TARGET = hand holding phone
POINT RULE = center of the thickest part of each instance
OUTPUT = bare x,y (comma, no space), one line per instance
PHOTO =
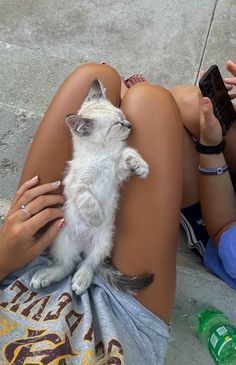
212,86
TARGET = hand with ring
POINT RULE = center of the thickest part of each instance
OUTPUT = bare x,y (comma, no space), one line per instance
32,208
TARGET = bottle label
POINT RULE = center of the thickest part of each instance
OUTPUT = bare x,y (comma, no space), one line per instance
219,338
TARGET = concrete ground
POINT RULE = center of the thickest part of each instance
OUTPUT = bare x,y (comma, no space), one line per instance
41,41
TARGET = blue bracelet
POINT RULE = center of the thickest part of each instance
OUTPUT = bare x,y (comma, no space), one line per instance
214,171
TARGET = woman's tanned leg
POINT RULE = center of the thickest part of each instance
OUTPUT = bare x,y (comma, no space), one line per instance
51,147
148,219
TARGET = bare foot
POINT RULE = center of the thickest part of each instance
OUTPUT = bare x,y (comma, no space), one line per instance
123,90
130,81
134,79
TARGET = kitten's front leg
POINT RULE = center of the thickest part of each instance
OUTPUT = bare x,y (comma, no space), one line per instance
135,162
88,206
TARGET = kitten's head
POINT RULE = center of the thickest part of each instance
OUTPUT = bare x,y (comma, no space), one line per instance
98,120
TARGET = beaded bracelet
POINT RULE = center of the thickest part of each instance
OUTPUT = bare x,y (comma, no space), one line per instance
214,171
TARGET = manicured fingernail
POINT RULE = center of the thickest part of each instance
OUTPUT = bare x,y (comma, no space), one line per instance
61,224
56,183
34,178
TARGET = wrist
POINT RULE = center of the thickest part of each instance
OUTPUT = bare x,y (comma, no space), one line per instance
210,149
212,142
211,161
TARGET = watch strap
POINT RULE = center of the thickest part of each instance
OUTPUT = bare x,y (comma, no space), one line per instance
210,150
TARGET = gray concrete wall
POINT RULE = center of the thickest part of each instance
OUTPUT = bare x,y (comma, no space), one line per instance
42,41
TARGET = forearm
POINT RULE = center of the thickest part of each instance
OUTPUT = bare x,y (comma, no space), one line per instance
217,197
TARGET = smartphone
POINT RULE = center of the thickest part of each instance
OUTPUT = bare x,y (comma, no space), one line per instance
212,86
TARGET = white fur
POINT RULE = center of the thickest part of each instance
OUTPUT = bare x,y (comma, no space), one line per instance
101,162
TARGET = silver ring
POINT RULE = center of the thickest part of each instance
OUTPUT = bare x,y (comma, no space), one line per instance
23,208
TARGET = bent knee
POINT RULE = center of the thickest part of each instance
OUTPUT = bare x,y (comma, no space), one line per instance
142,96
185,93
91,66
95,69
153,111
109,77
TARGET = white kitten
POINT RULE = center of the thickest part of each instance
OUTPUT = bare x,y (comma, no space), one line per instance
101,162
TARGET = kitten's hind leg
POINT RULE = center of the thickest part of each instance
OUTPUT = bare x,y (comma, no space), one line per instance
135,162
84,275
82,279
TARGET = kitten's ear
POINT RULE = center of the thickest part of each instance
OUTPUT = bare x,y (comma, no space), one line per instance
96,91
72,120
81,126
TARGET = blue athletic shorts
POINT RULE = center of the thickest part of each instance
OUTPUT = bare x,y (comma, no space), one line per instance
222,261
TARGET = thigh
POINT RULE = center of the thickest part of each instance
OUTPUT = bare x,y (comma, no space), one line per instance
51,147
147,225
148,218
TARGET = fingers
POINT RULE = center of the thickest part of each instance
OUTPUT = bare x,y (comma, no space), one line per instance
20,192
201,73
232,96
33,193
228,87
231,67
210,128
44,201
39,220
230,80
48,237
38,204
206,106
209,119
207,110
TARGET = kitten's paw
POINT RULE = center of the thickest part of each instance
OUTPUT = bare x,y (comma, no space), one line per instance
42,278
82,280
138,167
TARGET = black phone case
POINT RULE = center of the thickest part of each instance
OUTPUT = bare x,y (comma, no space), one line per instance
212,86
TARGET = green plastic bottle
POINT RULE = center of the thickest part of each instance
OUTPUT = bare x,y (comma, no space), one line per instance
216,332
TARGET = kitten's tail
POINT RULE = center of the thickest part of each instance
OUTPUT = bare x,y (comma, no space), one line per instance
128,284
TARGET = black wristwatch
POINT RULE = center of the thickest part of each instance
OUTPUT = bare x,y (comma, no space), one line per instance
210,150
